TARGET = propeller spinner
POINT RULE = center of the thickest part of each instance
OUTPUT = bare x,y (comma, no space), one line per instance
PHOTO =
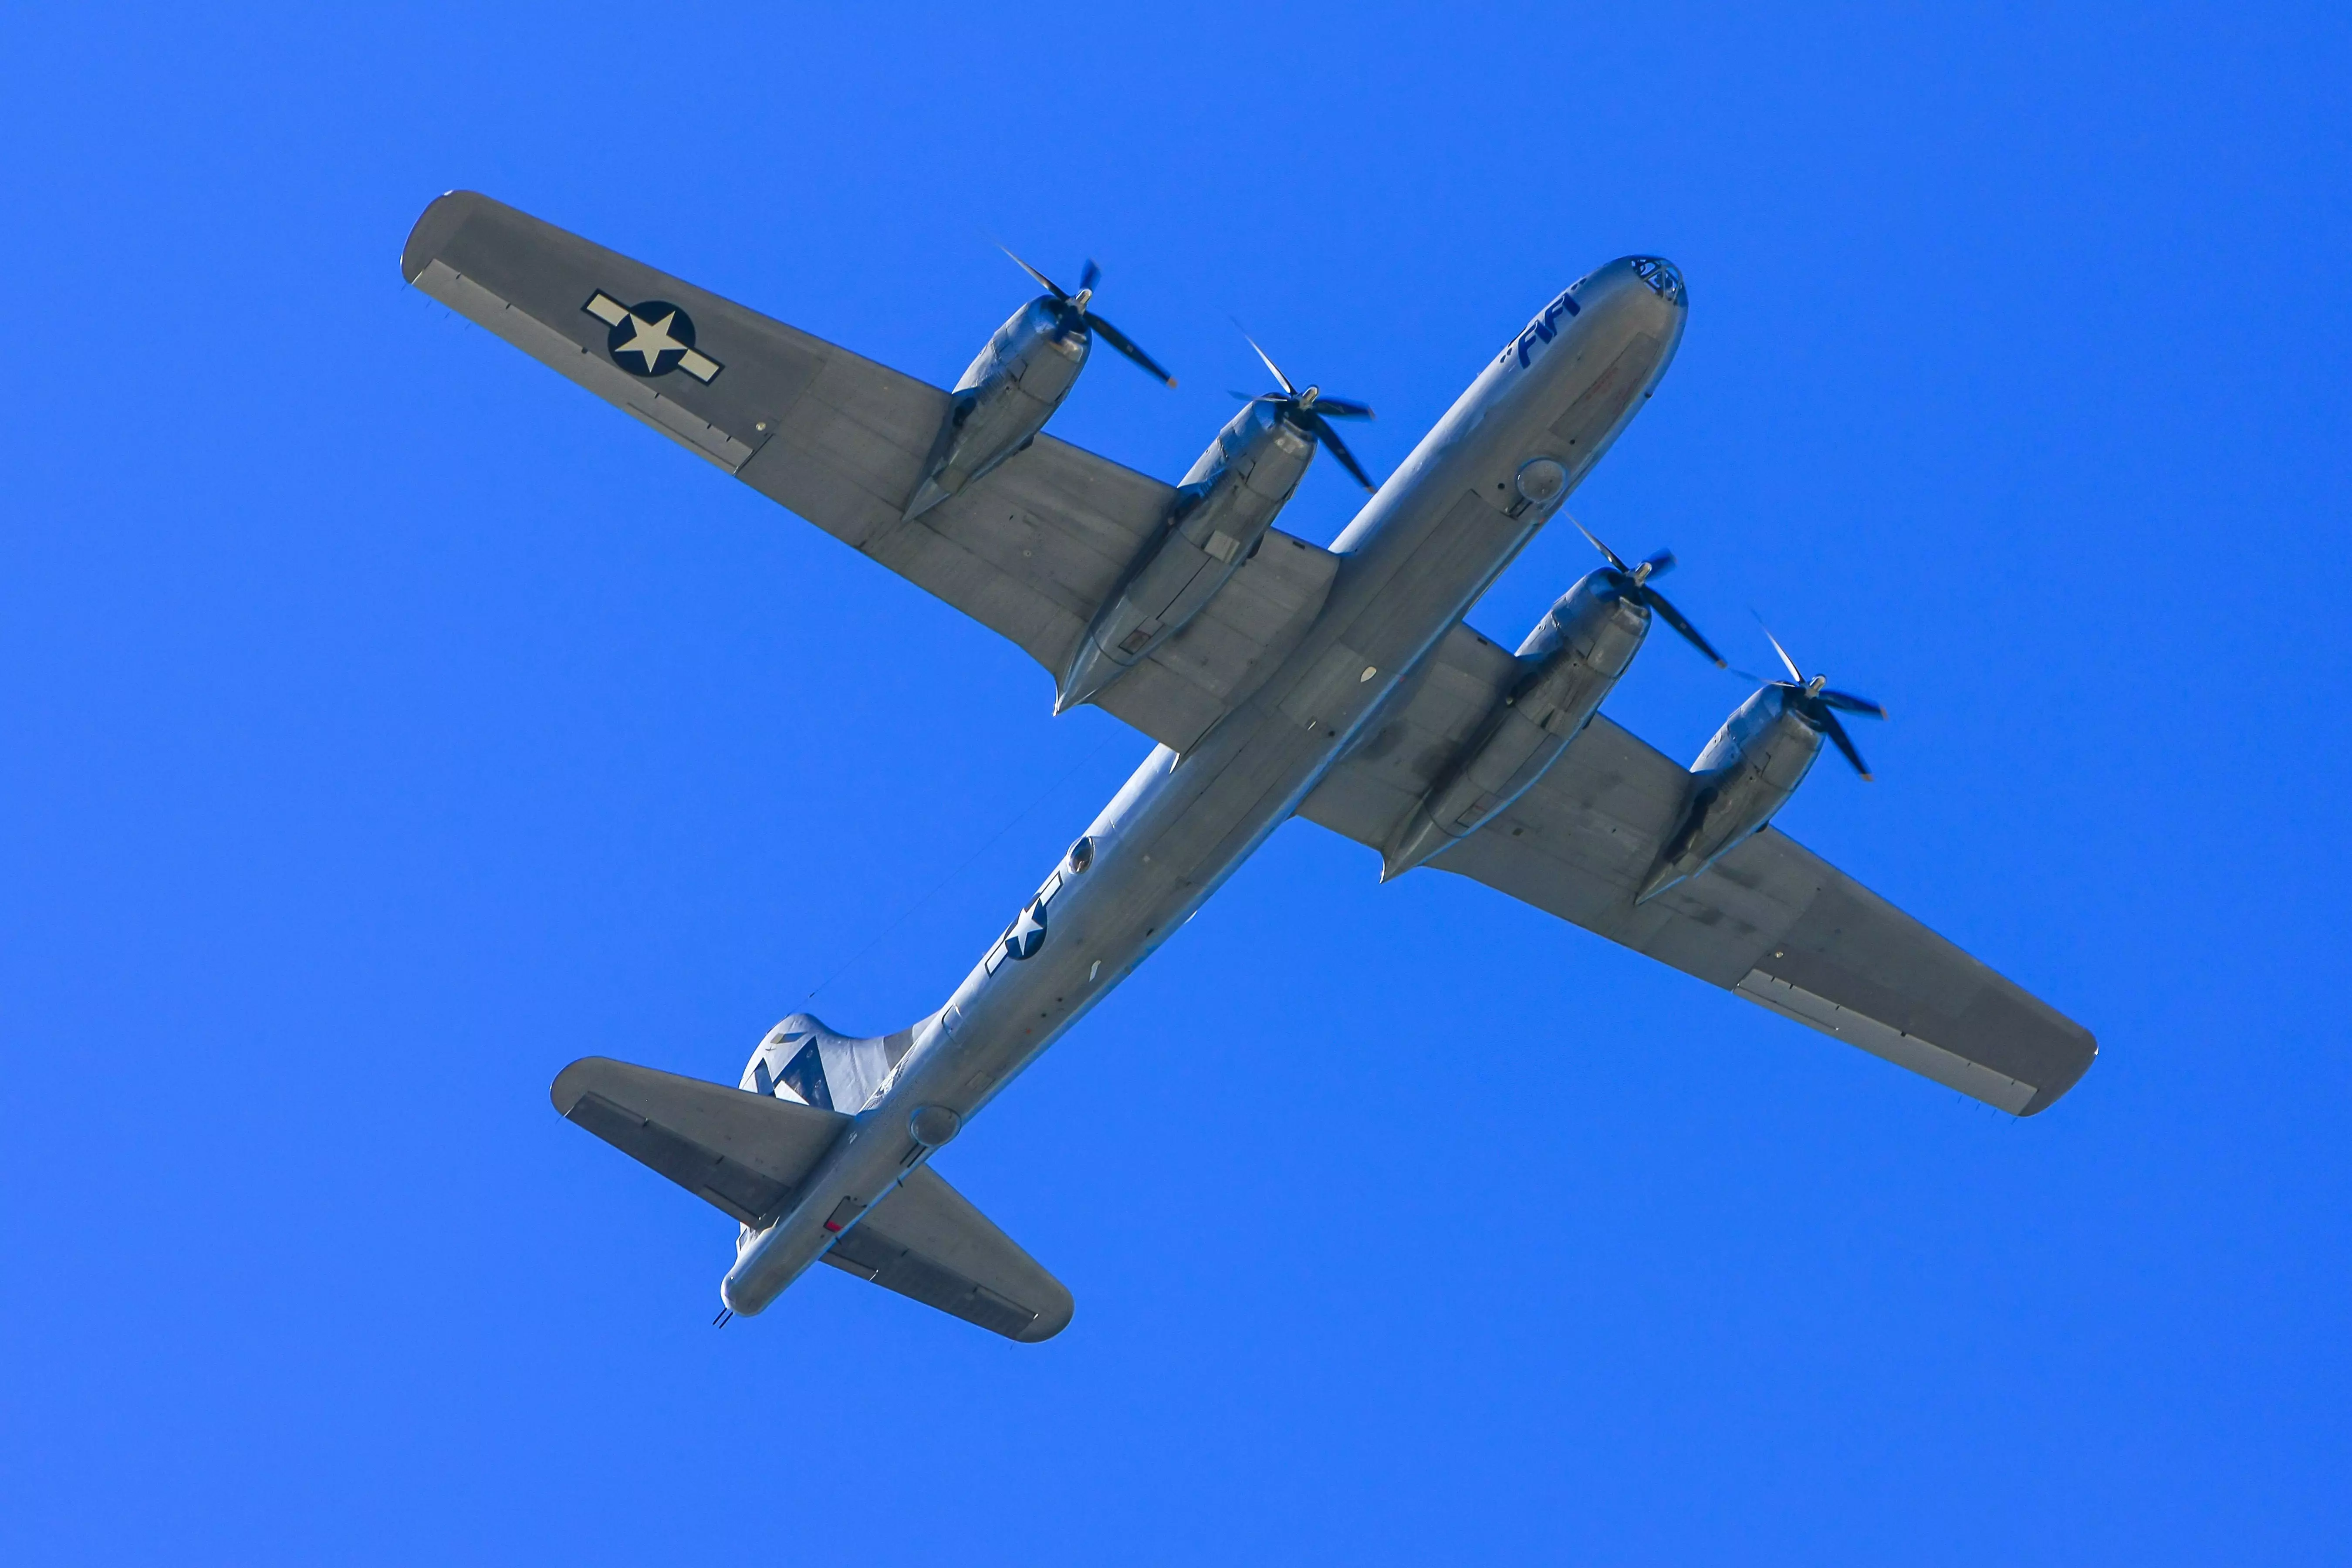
1076,305
1810,698
1313,412
1634,582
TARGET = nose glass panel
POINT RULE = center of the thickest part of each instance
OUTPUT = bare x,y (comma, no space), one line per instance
1662,276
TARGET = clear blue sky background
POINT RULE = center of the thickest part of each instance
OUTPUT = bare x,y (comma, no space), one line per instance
385,724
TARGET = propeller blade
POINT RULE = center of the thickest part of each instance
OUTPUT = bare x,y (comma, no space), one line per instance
1660,563
1281,380
1836,733
1794,673
1614,559
1853,704
1051,286
1126,345
1342,408
1087,279
1338,447
1675,618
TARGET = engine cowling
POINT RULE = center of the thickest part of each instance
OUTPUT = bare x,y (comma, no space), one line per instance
1571,661
1000,403
1223,507
1747,773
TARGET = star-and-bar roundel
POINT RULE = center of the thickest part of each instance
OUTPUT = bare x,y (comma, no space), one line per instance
1026,935
652,339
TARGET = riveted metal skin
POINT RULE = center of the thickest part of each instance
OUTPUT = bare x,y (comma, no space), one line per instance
1005,396
1226,502
1573,660
1418,554
1747,773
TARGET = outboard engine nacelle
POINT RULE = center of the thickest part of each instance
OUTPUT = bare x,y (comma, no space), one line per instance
1751,768
1747,773
1003,400
1569,662
1012,388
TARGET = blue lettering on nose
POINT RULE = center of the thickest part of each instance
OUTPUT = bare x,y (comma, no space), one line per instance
1541,329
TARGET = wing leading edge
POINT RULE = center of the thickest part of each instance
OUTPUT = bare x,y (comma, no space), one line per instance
1031,553
1770,921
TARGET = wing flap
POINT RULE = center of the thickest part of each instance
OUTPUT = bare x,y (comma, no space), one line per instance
740,1151
927,1242
1771,921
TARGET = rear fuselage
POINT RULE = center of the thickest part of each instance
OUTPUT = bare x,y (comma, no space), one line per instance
1411,562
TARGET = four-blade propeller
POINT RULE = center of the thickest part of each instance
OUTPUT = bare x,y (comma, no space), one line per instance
1810,697
1076,304
1634,582
1313,412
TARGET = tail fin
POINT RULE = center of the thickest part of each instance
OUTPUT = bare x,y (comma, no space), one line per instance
802,1059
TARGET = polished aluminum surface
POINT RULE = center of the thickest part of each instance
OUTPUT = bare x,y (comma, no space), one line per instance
1747,773
1573,660
1418,554
1005,396
1221,512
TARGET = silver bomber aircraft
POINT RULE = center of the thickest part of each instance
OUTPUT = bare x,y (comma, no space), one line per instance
1278,680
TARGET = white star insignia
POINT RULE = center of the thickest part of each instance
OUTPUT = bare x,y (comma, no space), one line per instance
649,339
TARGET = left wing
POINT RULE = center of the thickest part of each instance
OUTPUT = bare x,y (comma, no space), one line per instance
1031,550
1771,920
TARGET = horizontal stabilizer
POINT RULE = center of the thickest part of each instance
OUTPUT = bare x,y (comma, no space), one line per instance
926,1241
744,1151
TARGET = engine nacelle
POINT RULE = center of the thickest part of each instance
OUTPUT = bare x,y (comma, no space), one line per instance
1005,398
1746,774
1571,662
1223,509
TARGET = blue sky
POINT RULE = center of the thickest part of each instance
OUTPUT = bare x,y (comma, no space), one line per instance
388,723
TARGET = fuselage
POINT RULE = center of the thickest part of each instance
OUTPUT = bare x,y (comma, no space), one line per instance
1411,562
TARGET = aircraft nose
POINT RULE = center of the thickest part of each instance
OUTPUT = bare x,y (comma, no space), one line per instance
1664,278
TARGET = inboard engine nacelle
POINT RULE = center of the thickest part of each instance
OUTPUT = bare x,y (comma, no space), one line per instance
1223,507
1571,662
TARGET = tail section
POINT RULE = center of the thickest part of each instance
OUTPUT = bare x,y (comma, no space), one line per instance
752,1150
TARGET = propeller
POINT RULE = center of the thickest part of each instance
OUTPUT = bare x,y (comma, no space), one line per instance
1818,706
1634,582
1313,412
1076,304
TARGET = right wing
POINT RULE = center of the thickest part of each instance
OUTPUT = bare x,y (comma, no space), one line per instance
1031,550
927,1242
1771,920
